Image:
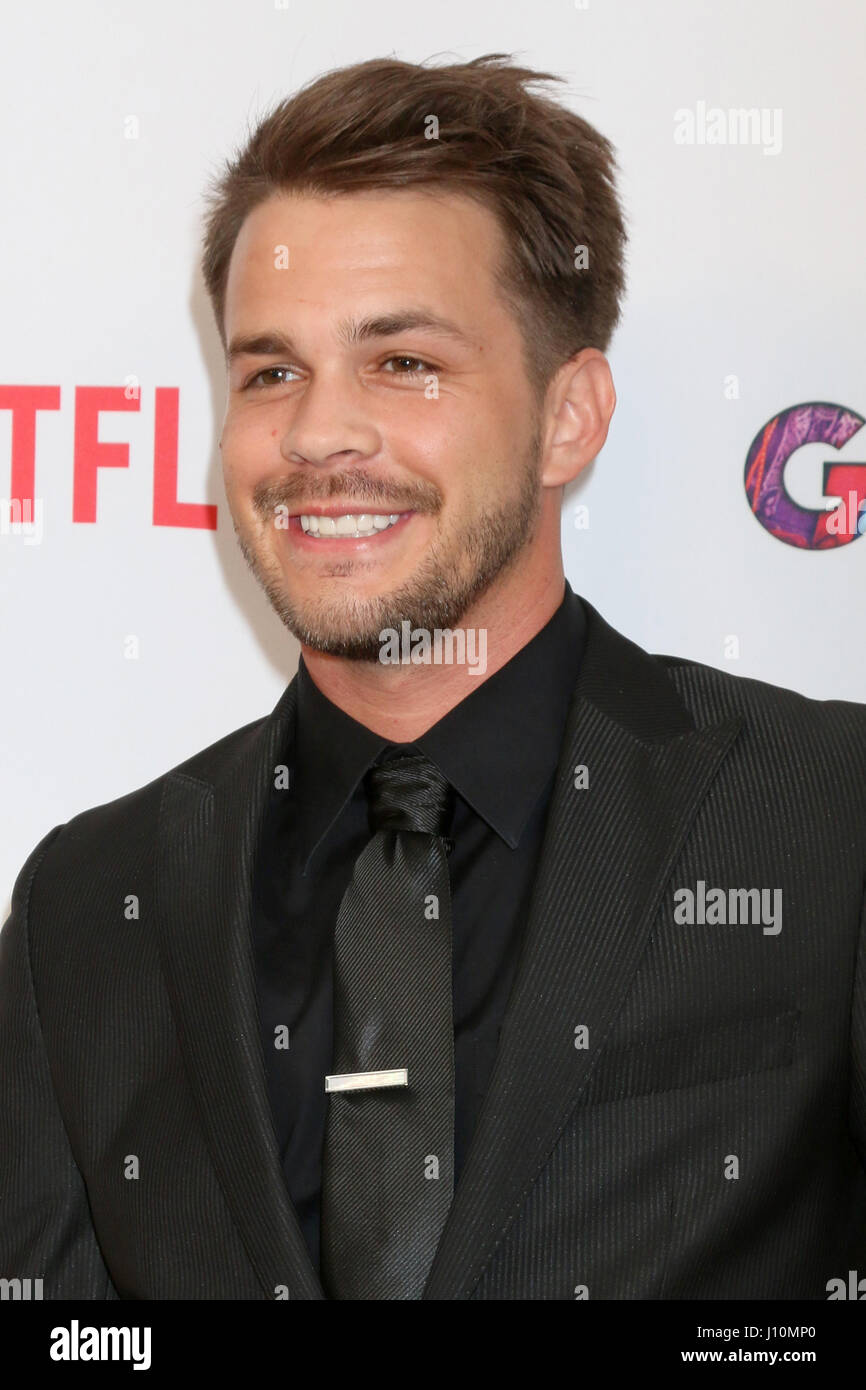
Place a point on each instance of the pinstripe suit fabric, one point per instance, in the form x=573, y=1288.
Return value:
x=676, y=1110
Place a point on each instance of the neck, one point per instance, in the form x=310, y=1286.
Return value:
x=401, y=702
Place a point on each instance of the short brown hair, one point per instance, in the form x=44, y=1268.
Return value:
x=543, y=171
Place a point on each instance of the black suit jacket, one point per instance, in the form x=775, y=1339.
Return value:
x=676, y=1111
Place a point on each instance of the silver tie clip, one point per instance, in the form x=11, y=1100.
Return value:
x=367, y=1080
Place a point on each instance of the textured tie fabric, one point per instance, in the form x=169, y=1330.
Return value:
x=388, y=1161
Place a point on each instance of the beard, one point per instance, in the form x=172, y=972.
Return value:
x=456, y=571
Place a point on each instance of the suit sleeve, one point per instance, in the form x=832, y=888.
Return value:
x=46, y=1230
x=858, y=1044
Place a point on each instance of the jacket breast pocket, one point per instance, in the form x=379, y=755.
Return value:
x=694, y=1058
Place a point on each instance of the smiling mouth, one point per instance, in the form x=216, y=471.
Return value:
x=350, y=525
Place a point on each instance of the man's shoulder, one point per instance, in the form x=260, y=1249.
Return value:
x=772, y=713
x=732, y=688
x=129, y=821
x=627, y=676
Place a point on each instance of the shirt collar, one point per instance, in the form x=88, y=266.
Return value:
x=498, y=747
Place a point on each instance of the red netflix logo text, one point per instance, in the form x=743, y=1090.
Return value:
x=89, y=454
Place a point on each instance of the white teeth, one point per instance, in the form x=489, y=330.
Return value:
x=360, y=525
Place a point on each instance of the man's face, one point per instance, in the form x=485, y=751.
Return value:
x=350, y=404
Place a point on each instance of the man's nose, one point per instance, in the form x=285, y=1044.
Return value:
x=330, y=419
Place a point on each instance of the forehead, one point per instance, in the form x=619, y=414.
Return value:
x=297, y=251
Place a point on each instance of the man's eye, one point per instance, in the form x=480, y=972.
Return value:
x=256, y=380
x=417, y=365
x=407, y=366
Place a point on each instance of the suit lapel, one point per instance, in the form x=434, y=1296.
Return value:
x=208, y=835
x=607, y=855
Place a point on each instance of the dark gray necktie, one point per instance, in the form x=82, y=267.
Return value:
x=388, y=1162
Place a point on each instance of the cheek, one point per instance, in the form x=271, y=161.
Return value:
x=245, y=450
x=443, y=444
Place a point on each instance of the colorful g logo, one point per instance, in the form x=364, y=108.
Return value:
x=815, y=422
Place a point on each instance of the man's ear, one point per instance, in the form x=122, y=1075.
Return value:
x=580, y=403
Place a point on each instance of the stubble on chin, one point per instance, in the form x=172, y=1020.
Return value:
x=453, y=575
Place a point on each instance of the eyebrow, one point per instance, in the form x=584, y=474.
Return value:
x=272, y=343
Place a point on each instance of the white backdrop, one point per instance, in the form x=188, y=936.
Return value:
x=746, y=297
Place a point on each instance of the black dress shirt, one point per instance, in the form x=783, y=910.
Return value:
x=499, y=749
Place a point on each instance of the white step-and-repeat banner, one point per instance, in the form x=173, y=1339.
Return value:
x=720, y=521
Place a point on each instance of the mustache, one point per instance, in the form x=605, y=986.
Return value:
x=419, y=496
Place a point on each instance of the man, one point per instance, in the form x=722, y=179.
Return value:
x=503, y=960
